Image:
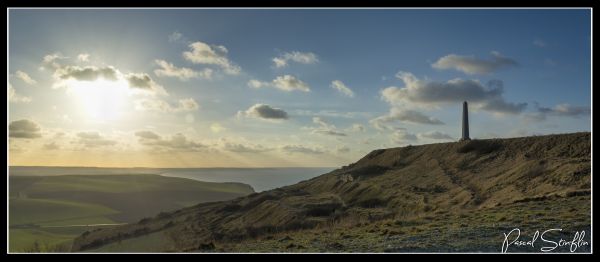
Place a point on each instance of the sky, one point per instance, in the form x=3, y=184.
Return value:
x=285, y=87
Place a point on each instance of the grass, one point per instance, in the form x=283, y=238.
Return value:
x=154, y=242
x=38, y=203
x=24, y=240
x=44, y=211
x=475, y=231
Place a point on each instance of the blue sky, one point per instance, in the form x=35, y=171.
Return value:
x=541, y=58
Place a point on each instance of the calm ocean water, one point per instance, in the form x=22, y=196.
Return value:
x=259, y=178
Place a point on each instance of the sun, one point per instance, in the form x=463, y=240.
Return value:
x=100, y=99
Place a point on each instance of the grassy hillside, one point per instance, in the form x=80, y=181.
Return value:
x=449, y=195
x=53, y=210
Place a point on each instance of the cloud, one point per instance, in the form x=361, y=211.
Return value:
x=144, y=82
x=333, y=113
x=290, y=83
x=402, y=137
x=51, y=61
x=87, y=73
x=83, y=57
x=14, y=97
x=175, y=36
x=183, y=73
x=177, y=142
x=147, y=135
x=325, y=128
x=285, y=83
x=342, y=150
x=302, y=149
x=357, y=128
x=403, y=115
x=339, y=86
x=263, y=111
x=24, y=128
x=217, y=128
x=295, y=56
x=183, y=105
x=473, y=65
x=539, y=43
x=561, y=110
x=426, y=94
x=243, y=148
x=25, y=78
x=435, y=135
x=253, y=83
x=51, y=146
x=202, y=53
x=189, y=118
x=65, y=73
x=94, y=139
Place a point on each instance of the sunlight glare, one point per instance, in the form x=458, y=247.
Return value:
x=100, y=99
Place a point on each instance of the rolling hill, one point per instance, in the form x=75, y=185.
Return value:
x=55, y=209
x=446, y=197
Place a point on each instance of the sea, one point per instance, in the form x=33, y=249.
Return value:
x=260, y=179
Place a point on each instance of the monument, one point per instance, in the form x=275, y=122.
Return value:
x=465, y=122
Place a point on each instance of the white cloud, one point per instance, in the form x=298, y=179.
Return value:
x=183, y=73
x=183, y=105
x=342, y=150
x=202, y=53
x=339, y=86
x=403, y=115
x=325, y=128
x=290, y=83
x=189, y=118
x=177, y=142
x=175, y=36
x=51, y=61
x=242, y=147
x=83, y=57
x=357, y=128
x=217, y=128
x=25, y=78
x=295, y=56
x=147, y=135
x=51, y=146
x=266, y=112
x=425, y=94
x=253, y=83
x=87, y=73
x=14, y=97
x=94, y=139
x=285, y=83
x=24, y=128
x=473, y=65
x=402, y=137
x=435, y=135
x=144, y=82
x=66, y=73
x=561, y=110
x=333, y=113
x=302, y=149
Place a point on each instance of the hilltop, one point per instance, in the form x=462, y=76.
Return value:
x=457, y=196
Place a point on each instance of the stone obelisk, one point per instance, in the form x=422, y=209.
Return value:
x=465, y=122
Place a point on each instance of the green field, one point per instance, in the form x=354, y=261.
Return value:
x=47, y=212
